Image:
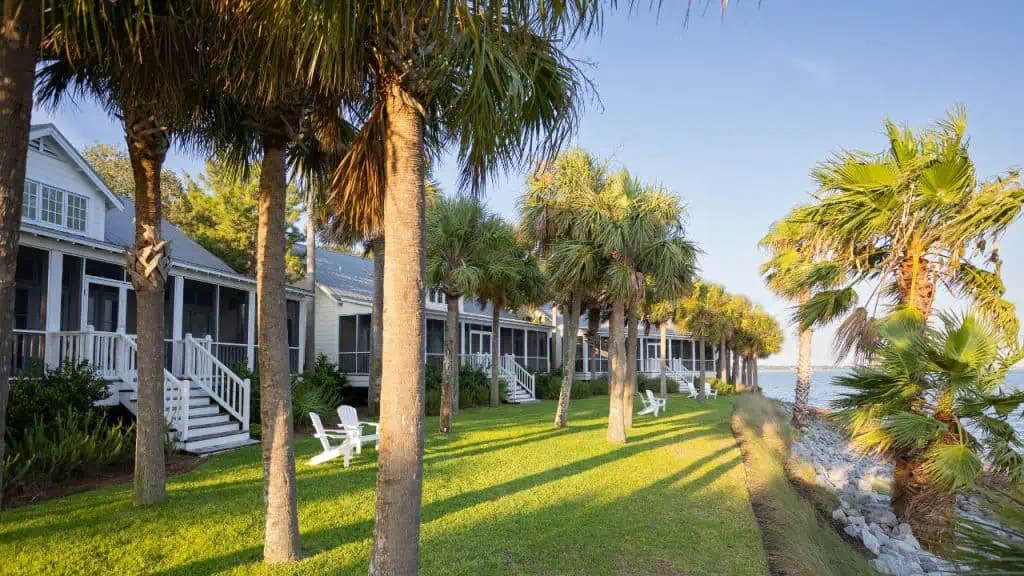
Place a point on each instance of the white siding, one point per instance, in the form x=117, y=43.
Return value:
x=327, y=313
x=61, y=172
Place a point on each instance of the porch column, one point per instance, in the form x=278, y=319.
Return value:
x=216, y=313
x=177, y=316
x=250, y=340
x=302, y=334
x=54, y=285
x=586, y=358
x=557, y=360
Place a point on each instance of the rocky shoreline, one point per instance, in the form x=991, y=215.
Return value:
x=861, y=482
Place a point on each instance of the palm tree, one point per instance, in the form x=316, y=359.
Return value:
x=639, y=230
x=739, y=308
x=20, y=36
x=141, y=65
x=696, y=313
x=931, y=400
x=551, y=222
x=511, y=279
x=794, y=271
x=910, y=219
x=460, y=238
x=659, y=311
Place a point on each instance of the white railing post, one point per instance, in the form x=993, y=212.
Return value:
x=186, y=344
x=183, y=399
x=88, y=344
x=245, y=404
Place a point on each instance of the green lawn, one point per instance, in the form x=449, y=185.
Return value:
x=504, y=494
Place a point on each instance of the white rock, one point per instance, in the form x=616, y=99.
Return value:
x=838, y=515
x=903, y=528
x=857, y=521
x=887, y=518
x=870, y=541
x=852, y=530
x=909, y=540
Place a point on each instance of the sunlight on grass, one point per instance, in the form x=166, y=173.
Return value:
x=504, y=494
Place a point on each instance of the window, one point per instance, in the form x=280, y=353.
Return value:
x=435, y=296
x=435, y=342
x=77, y=210
x=52, y=206
x=354, y=344
x=28, y=207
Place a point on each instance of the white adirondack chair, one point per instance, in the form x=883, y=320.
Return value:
x=709, y=392
x=330, y=452
x=354, y=428
x=652, y=404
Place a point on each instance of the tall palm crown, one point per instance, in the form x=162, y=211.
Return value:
x=932, y=399
x=911, y=219
x=460, y=237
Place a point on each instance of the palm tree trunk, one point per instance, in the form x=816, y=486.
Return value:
x=19, y=42
x=310, y=351
x=803, y=372
x=753, y=376
x=147, y=263
x=663, y=330
x=281, y=533
x=720, y=364
x=917, y=501
x=396, y=530
x=571, y=328
x=735, y=373
x=617, y=378
x=915, y=285
x=495, y=353
x=594, y=339
x=450, y=372
x=701, y=362
x=630, y=390
x=376, y=325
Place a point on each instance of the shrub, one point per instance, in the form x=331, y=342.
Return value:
x=721, y=386
x=582, y=389
x=332, y=382
x=73, y=443
x=319, y=390
x=599, y=387
x=308, y=396
x=548, y=384
x=474, y=388
x=46, y=394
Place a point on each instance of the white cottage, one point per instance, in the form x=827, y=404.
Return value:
x=73, y=301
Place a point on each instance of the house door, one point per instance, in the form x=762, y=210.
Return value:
x=479, y=342
x=107, y=305
x=653, y=356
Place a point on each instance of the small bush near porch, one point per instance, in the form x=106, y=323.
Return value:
x=504, y=494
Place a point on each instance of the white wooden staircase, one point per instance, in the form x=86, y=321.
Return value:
x=520, y=383
x=206, y=405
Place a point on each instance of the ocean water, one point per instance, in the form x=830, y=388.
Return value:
x=779, y=383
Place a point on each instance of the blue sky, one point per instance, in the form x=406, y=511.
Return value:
x=731, y=115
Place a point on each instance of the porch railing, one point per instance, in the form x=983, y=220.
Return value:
x=354, y=362
x=210, y=374
x=480, y=362
x=28, y=350
x=521, y=375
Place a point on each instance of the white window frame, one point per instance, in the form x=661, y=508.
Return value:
x=32, y=208
x=436, y=296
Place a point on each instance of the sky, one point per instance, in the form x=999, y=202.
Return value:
x=732, y=113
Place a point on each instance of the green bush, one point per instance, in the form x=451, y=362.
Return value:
x=308, y=396
x=599, y=387
x=45, y=394
x=721, y=386
x=332, y=382
x=72, y=443
x=548, y=385
x=319, y=390
x=582, y=389
x=474, y=388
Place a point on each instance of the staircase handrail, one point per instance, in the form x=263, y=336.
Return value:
x=223, y=385
x=128, y=370
x=521, y=375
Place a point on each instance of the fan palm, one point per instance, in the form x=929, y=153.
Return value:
x=697, y=313
x=461, y=237
x=910, y=219
x=639, y=230
x=931, y=399
x=551, y=222
x=511, y=279
x=794, y=271
x=739, y=307
x=658, y=311
x=138, y=60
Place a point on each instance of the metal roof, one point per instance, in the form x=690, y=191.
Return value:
x=343, y=275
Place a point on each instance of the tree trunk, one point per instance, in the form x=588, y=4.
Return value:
x=700, y=378
x=742, y=387
x=310, y=351
x=148, y=262
x=495, y=353
x=916, y=500
x=753, y=376
x=663, y=330
x=617, y=376
x=19, y=42
x=450, y=372
x=630, y=390
x=735, y=372
x=914, y=282
x=376, y=325
x=720, y=364
x=281, y=533
x=593, y=338
x=803, y=372
x=396, y=530
x=572, y=325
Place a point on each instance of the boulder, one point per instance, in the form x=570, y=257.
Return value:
x=902, y=528
x=870, y=541
x=852, y=530
x=838, y=515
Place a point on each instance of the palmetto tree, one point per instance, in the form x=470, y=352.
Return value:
x=461, y=236
x=639, y=230
x=931, y=399
x=511, y=278
x=698, y=314
x=659, y=311
x=139, y=61
x=572, y=261
x=910, y=219
x=739, y=307
x=794, y=271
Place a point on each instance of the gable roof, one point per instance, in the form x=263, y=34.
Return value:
x=41, y=130
x=343, y=276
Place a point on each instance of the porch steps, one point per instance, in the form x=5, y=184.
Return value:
x=518, y=395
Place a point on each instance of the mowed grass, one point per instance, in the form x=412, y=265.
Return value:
x=504, y=494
